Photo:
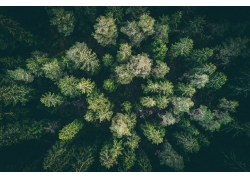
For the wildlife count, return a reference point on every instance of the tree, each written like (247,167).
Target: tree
(116,12)
(185,90)
(160,70)
(34,64)
(132,141)
(109,85)
(109,153)
(181,104)
(159,50)
(167,119)
(13,94)
(161,32)
(129,158)
(58,157)
(140,65)
(175,20)
(15,132)
(216,80)
(20,74)
(105,31)
(146,23)
(147,102)
(228,105)
(132,30)
(70,130)
(124,74)
(187,142)
(68,86)
(63,20)
(124,53)
(182,48)
(99,108)
(83,158)
(52,70)
(83,58)
(168,156)
(153,133)
(161,87)
(85,86)
(161,101)
(122,124)
(50,99)
(107,60)
(198,80)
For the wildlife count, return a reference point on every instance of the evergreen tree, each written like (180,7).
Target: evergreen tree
(83,58)
(182,48)
(105,31)
(20,74)
(70,130)
(68,86)
(50,99)
(153,133)
(63,20)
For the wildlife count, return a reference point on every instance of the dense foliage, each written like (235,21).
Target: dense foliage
(120,88)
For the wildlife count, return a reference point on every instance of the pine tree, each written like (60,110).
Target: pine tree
(63,20)
(83,58)
(68,86)
(70,130)
(182,48)
(50,99)
(153,133)
(105,31)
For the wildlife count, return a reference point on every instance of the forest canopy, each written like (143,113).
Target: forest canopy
(120,88)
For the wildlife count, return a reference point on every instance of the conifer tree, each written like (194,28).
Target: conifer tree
(105,31)
(63,20)
(83,58)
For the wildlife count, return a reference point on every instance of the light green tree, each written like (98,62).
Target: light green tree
(198,80)
(85,86)
(132,141)
(182,48)
(83,58)
(147,102)
(68,86)
(52,70)
(132,30)
(160,70)
(109,153)
(161,101)
(154,133)
(140,65)
(185,90)
(20,74)
(13,94)
(63,20)
(146,23)
(159,50)
(50,99)
(99,108)
(83,158)
(105,31)
(122,124)
(161,87)
(181,104)
(124,53)
(69,131)
(124,74)
(167,119)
